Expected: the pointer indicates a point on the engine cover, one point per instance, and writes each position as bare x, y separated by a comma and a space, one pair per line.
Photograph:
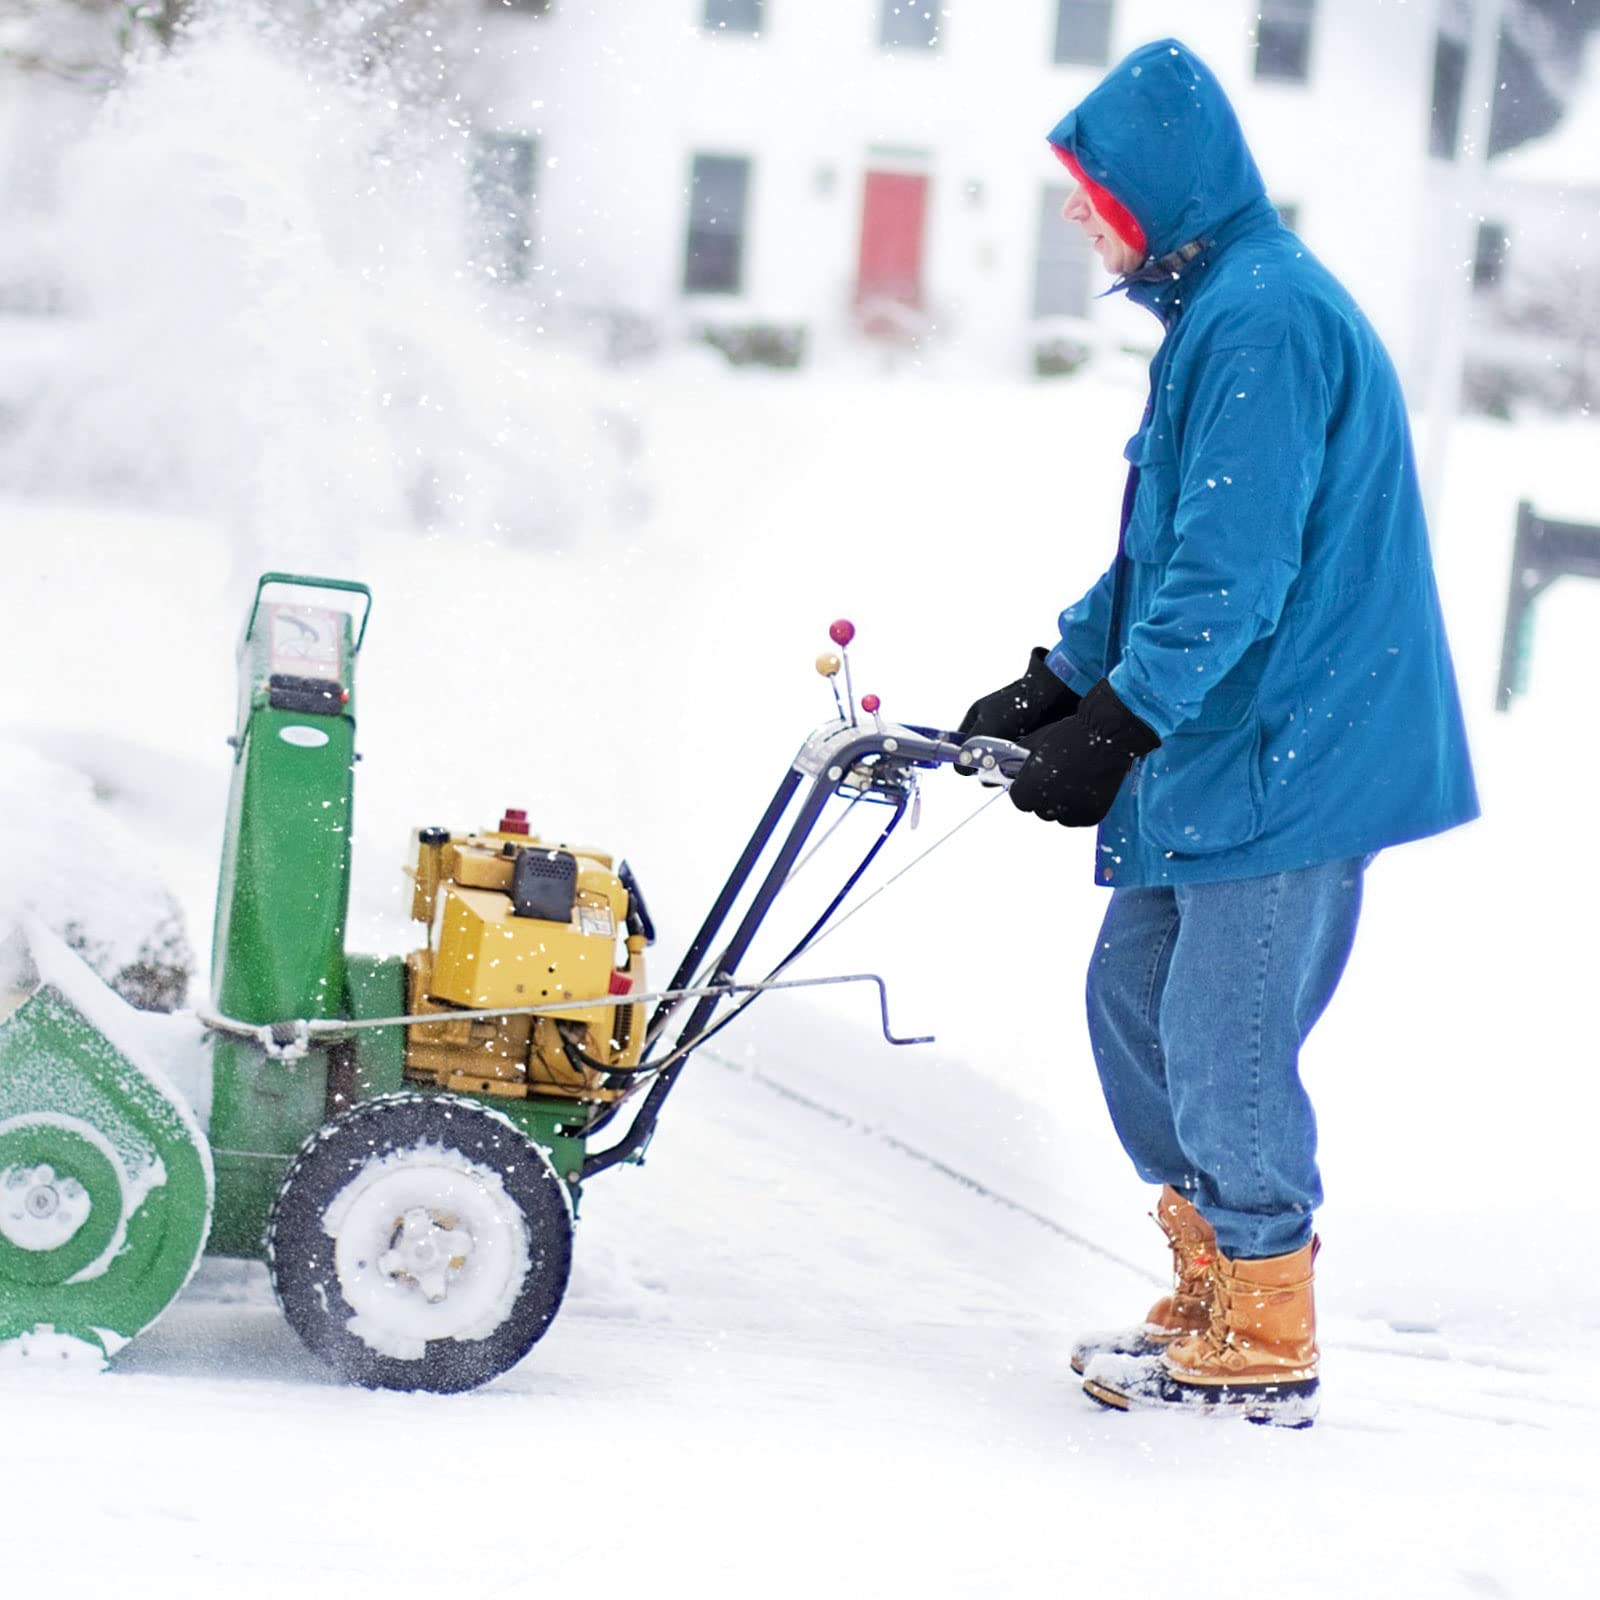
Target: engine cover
516, 921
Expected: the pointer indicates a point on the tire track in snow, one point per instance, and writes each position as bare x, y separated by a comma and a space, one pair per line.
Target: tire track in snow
943, 1168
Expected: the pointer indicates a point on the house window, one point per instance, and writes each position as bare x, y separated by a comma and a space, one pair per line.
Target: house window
1489, 255
1083, 32
1449, 82
909, 25
1283, 40
719, 190
1063, 274
502, 189
733, 16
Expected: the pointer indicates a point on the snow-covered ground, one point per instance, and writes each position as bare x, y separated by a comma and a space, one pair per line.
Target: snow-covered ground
820, 1340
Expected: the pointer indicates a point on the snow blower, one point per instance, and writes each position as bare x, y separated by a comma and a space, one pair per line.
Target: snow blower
403, 1140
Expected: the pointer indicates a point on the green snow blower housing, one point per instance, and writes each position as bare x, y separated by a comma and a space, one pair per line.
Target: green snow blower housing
105, 1183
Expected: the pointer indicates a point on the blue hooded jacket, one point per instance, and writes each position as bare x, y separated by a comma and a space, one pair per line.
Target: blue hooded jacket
1271, 612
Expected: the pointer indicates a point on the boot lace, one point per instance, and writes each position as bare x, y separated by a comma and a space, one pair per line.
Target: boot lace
1226, 1323
1192, 1261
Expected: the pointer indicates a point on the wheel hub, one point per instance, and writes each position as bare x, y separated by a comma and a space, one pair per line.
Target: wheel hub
426, 1253
428, 1245
40, 1210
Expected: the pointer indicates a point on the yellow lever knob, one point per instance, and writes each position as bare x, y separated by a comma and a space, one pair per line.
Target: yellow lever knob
828, 664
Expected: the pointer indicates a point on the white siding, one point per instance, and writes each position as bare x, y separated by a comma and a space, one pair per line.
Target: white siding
623, 93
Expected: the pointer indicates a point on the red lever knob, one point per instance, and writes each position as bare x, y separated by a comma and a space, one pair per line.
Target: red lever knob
870, 702
842, 632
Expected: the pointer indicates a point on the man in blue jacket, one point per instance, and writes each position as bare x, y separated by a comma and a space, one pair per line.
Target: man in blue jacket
1255, 698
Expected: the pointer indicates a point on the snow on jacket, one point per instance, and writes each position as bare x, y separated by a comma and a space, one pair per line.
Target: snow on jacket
1271, 612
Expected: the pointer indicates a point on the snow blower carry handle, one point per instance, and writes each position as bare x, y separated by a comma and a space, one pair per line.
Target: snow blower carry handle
297, 580
873, 760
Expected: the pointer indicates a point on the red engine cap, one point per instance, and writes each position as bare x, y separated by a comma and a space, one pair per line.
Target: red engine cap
842, 631
514, 821
621, 983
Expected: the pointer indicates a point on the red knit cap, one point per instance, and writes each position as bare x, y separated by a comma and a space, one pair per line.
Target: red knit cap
1122, 221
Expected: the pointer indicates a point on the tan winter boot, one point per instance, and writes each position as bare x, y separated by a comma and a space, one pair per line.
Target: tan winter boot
1257, 1356
1187, 1309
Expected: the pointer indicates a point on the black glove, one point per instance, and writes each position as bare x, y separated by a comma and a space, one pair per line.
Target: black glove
1078, 764
1034, 701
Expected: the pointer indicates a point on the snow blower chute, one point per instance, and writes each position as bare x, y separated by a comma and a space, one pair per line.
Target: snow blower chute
402, 1139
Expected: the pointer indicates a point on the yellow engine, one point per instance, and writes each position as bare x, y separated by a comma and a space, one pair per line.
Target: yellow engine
516, 921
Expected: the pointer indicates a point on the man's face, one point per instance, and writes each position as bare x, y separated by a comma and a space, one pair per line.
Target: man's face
1116, 255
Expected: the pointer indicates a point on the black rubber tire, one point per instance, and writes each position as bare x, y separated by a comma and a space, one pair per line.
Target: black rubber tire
300, 1253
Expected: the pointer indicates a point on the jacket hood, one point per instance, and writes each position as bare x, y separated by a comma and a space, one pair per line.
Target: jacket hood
1159, 134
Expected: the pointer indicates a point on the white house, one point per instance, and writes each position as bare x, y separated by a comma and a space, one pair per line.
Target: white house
880, 165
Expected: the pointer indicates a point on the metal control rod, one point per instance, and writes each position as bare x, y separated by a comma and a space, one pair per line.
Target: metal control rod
288, 1041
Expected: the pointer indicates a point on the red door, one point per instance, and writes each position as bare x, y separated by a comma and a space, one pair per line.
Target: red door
894, 212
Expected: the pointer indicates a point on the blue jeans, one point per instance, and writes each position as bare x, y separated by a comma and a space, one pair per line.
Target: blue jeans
1200, 997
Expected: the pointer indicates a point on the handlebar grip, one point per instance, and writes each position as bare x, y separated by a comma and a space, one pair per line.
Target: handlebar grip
994, 760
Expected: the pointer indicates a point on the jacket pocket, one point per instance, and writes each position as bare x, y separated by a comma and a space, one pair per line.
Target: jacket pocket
1201, 791
1151, 534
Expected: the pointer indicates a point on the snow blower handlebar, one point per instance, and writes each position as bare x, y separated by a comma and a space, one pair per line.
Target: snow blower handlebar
877, 762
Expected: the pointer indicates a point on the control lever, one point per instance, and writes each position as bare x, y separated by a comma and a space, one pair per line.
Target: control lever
996, 761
